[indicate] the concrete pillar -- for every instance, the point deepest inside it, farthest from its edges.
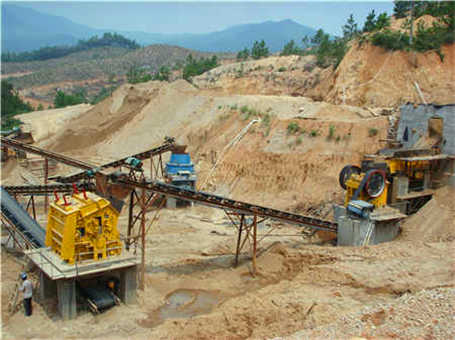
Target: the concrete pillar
(338, 211)
(66, 291)
(400, 187)
(353, 231)
(48, 287)
(451, 168)
(426, 180)
(171, 203)
(128, 285)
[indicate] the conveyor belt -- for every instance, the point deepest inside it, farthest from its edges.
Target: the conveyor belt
(47, 189)
(17, 215)
(185, 194)
(229, 204)
(11, 143)
(101, 297)
(167, 146)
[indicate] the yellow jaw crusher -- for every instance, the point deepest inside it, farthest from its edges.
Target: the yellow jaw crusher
(402, 179)
(83, 227)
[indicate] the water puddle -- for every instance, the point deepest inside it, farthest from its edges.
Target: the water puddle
(183, 303)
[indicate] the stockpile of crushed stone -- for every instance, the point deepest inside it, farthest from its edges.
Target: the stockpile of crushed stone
(435, 221)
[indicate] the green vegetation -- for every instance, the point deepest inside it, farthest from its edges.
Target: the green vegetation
(314, 133)
(51, 52)
(292, 128)
(11, 105)
(282, 69)
(299, 140)
(103, 94)
(243, 54)
(136, 75)
(163, 74)
(259, 50)
(372, 132)
(195, 67)
(62, 99)
(112, 62)
(426, 38)
(248, 113)
(266, 119)
(434, 8)
(350, 29)
(328, 51)
(331, 132)
(390, 40)
(291, 49)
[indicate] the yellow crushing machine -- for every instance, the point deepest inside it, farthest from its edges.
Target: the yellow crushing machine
(83, 226)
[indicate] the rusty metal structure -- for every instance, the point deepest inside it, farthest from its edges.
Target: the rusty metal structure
(147, 192)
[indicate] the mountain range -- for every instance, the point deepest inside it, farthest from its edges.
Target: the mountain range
(25, 29)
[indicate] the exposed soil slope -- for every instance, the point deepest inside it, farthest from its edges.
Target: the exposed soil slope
(269, 159)
(372, 76)
(269, 76)
(288, 159)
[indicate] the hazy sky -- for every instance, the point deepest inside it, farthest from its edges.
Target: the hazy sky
(201, 17)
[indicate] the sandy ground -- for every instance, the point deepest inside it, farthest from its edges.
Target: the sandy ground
(305, 288)
(44, 124)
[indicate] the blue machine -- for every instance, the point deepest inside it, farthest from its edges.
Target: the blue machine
(360, 208)
(180, 171)
(179, 163)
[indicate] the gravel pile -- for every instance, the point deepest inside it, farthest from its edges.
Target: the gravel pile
(428, 314)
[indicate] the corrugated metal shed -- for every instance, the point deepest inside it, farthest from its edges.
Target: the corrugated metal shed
(414, 122)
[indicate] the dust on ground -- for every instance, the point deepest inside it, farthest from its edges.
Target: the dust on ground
(303, 287)
(304, 284)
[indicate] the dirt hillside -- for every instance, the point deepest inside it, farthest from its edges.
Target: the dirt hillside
(269, 159)
(288, 154)
(371, 76)
(269, 76)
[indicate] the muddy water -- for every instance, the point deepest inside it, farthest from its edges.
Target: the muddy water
(183, 303)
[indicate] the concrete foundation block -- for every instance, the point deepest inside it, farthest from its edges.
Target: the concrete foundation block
(385, 231)
(353, 231)
(171, 203)
(338, 211)
(402, 185)
(48, 287)
(451, 181)
(66, 291)
(128, 285)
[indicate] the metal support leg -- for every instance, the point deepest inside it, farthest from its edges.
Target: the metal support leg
(238, 240)
(130, 220)
(33, 207)
(255, 225)
(144, 209)
(46, 175)
(151, 167)
(31, 202)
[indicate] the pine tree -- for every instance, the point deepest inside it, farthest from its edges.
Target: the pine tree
(401, 8)
(291, 49)
(350, 29)
(243, 54)
(382, 21)
(370, 22)
(259, 50)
